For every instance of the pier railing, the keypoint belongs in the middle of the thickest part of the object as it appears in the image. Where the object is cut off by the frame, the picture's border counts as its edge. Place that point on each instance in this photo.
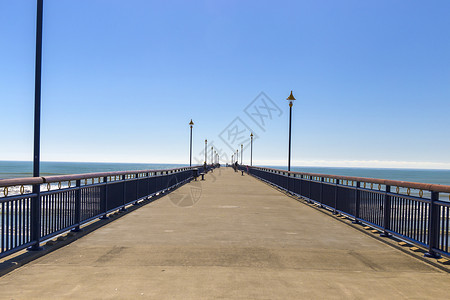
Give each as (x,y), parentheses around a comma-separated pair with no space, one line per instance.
(415,212)
(66,202)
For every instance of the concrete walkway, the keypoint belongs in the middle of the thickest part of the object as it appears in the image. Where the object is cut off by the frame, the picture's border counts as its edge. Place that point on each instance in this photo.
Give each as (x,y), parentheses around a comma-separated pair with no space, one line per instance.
(230,236)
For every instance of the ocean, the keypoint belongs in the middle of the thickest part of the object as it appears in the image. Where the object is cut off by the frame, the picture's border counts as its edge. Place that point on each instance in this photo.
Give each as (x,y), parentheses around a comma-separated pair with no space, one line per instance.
(17,169)
(412,175)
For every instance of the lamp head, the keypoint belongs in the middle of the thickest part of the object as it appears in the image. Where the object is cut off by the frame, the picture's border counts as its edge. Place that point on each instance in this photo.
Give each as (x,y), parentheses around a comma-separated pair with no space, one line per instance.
(191,123)
(291,97)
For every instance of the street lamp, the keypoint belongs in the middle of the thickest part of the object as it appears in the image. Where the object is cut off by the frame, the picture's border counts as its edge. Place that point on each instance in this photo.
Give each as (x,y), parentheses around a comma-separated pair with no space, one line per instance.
(290,99)
(242,152)
(212,159)
(251,149)
(206,144)
(36,200)
(191,124)
(237,155)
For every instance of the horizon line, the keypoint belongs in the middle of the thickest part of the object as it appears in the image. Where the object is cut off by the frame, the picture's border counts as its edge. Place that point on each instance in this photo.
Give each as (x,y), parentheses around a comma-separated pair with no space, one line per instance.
(370,164)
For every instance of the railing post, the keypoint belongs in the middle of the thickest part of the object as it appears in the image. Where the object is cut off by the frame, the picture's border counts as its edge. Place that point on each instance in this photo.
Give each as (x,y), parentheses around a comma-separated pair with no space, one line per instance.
(335,197)
(322,180)
(147,178)
(309,189)
(288,181)
(104,199)
(357,203)
(433,226)
(386,212)
(137,188)
(36,218)
(301,183)
(124,194)
(77,206)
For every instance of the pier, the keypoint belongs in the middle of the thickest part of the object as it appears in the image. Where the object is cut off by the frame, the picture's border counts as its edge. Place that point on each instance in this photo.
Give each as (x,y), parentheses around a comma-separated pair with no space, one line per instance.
(232,235)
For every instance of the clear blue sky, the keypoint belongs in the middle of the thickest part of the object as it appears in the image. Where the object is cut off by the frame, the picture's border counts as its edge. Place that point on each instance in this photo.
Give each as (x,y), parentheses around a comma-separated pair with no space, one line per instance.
(122,79)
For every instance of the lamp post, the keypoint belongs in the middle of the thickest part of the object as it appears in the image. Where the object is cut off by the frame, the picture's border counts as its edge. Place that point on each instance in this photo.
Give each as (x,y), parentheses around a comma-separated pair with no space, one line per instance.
(237,155)
(290,99)
(251,149)
(206,145)
(212,159)
(242,152)
(191,124)
(36,201)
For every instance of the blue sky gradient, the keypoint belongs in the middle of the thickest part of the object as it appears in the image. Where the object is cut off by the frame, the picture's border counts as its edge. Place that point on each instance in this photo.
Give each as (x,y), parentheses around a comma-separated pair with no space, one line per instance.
(122,79)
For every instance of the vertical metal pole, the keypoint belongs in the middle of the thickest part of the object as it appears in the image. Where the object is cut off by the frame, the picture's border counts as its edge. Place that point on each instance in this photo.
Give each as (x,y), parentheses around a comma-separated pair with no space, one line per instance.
(386,212)
(336,197)
(147,178)
(290,121)
(301,183)
(104,199)
(309,187)
(190,152)
(212,159)
(206,152)
(357,202)
(124,194)
(242,152)
(136,176)
(77,206)
(322,180)
(433,226)
(251,151)
(36,201)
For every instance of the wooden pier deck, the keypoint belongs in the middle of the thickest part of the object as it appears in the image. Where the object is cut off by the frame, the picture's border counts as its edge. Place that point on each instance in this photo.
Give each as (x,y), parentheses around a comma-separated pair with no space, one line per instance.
(228,237)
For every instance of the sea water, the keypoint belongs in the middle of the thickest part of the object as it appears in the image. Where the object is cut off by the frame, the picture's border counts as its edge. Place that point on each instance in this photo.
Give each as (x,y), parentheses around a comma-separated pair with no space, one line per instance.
(20,169)
(412,175)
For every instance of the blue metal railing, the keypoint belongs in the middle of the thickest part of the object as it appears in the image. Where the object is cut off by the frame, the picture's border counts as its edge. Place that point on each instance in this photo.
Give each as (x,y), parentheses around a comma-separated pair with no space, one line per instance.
(66,202)
(415,212)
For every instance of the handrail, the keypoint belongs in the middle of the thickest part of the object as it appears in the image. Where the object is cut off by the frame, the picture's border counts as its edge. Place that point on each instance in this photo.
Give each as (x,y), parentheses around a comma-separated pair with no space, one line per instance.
(70,177)
(21,181)
(417,218)
(406,184)
(29,217)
